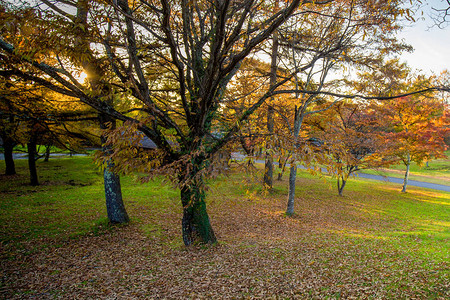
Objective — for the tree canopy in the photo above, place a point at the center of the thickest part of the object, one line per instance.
(165, 69)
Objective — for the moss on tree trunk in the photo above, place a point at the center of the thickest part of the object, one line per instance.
(196, 226)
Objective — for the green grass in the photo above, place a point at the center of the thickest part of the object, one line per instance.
(418, 219)
(69, 202)
(372, 227)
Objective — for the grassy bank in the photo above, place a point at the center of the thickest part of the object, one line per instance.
(372, 243)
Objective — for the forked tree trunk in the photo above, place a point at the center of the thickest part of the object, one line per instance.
(32, 161)
(405, 180)
(196, 226)
(8, 145)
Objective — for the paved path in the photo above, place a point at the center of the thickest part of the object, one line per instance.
(25, 155)
(434, 186)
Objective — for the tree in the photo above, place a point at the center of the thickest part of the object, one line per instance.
(71, 51)
(341, 32)
(33, 116)
(352, 139)
(417, 126)
(202, 58)
(9, 130)
(441, 14)
(268, 166)
(415, 123)
(246, 86)
(198, 47)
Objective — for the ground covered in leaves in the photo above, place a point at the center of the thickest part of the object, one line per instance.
(373, 243)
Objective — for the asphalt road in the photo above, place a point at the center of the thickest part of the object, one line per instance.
(434, 186)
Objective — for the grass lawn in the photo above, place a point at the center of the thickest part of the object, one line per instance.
(374, 242)
(438, 171)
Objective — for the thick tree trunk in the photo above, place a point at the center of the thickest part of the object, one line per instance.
(8, 145)
(405, 180)
(196, 226)
(115, 208)
(113, 194)
(291, 195)
(32, 161)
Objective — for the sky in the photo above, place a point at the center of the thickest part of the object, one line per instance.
(431, 44)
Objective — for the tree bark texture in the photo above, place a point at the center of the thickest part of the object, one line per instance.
(196, 226)
(298, 120)
(115, 208)
(341, 184)
(405, 180)
(32, 161)
(8, 145)
(291, 195)
(268, 170)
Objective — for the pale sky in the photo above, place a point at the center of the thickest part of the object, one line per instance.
(431, 44)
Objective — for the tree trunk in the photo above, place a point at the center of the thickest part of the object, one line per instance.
(405, 180)
(47, 153)
(291, 195)
(114, 203)
(196, 226)
(341, 184)
(32, 161)
(298, 120)
(282, 166)
(115, 208)
(8, 145)
(268, 169)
